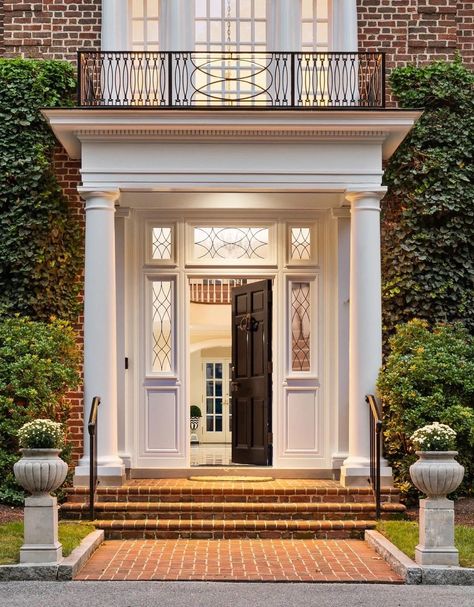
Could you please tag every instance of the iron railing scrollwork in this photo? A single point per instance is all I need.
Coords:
(92, 428)
(375, 423)
(279, 80)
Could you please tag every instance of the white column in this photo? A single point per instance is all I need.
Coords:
(177, 25)
(100, 336)
(114, 33)
(284, 24)
(365, 331)
(344, 26)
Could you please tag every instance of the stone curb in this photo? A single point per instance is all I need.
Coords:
(413, 573)
(65, 570)
(398, 561)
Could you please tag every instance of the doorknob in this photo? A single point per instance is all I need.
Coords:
(234, 386)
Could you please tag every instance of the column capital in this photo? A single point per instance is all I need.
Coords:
(99, 199)
(356, 196)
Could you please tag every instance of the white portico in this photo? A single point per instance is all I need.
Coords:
(254, 170)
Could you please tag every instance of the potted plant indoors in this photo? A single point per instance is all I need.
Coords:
(436, 473)
(194, 423)
(41, 470)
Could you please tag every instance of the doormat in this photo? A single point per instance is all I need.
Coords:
(231, 479)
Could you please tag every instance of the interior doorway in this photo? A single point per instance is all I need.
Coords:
(230, 371)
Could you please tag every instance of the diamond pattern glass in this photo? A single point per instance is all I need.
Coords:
(300, 326)
(231, 243)
(162, 310)
(300, 244)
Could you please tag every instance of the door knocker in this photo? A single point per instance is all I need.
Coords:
(248, 323)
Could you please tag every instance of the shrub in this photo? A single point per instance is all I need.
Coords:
(38, 366)
(41, 243)
(195, 411)
(428, 212)
(428, 376)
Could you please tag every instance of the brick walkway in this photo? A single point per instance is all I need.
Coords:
(238, 560)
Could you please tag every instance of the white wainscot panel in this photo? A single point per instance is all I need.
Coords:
(302, 421)
(161, 421)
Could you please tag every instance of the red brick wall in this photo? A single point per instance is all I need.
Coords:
(51, 29)
(67, 173)
(417, 31)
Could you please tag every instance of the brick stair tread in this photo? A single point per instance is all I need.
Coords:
(257, 507)
(237, 525)
(220, 490)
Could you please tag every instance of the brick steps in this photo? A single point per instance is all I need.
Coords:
(281, 509)
(242, 494)
(228, 510)
(227, 529)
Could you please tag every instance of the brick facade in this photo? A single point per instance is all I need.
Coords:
(51, 29)
(409, 31)
(417, 31)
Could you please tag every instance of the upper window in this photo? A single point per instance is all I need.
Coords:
(230, 25)
(144, 23)
(314, 25)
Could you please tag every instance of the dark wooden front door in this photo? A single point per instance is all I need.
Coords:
(251, 382)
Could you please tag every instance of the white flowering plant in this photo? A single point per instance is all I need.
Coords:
(41, 434)
(434, 437)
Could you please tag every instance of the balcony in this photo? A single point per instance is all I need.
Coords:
(220, 80)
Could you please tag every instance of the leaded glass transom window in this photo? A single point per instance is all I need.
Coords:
(162, 243)
(162, 323)
(314, 25)
(300, 244)
(144, 25)
(300, 316)
(231, 243)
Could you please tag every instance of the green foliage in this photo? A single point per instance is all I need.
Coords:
(38, 366)
(41, 244)
(195, 411)
(405, 536)
(428, 376)
(428, 212)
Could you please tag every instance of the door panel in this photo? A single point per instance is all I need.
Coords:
(251, 373)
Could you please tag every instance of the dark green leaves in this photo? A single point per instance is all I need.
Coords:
(41, 244)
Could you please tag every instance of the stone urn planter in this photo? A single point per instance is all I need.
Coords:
(40, 471)
(436, 473)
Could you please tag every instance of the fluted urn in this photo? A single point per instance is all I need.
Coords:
(436, 473)
(40, 471)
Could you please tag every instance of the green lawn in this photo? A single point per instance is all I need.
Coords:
(404, 534)
(11, 539)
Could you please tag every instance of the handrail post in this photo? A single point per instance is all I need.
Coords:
(375, 429)
(92, 428)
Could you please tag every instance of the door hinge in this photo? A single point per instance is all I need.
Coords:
(270, 438)
(126, 362)
(270, 367)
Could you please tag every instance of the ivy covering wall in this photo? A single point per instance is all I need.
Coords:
(428, 212)
(41, 243)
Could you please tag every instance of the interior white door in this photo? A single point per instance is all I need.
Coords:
(217, 413)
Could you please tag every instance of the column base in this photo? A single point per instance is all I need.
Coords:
(431, 556)
(110, 473)
(41, 553)
(355, 472)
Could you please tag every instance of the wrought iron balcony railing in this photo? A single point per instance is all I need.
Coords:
(231, 80)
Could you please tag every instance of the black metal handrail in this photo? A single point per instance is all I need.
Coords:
(195, 79)
(375, 449)
(92, 428)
